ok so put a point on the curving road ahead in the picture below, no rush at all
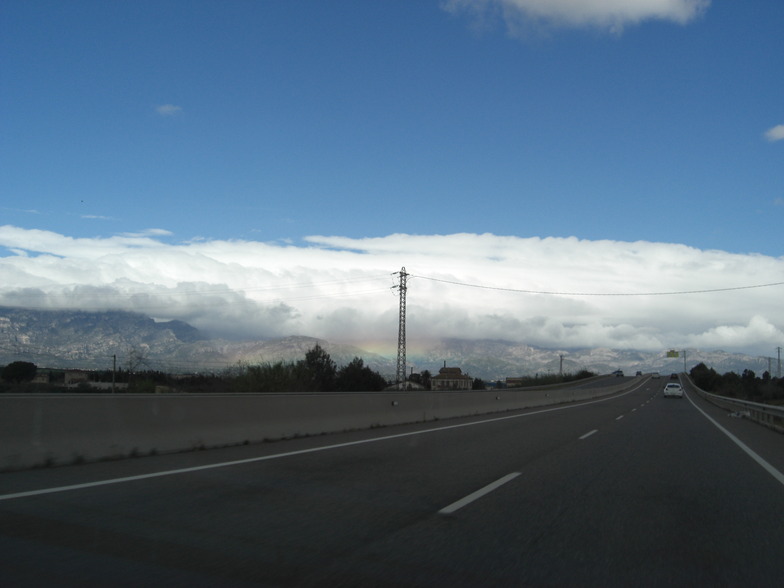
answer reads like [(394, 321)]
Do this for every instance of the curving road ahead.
[(630, 490)]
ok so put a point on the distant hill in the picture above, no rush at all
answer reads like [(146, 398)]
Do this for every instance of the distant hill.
[(498, 359), (85, 339), (89, 340)]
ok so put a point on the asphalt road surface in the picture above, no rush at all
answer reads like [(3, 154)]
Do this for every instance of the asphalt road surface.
[(634, 490)]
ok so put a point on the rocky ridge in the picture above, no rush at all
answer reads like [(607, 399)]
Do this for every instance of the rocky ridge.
[(93, 340)]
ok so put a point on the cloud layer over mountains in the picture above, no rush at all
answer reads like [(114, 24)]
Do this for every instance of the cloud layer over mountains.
[(550, 292)]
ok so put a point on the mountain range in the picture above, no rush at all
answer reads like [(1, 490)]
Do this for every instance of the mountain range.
[(94, 340)]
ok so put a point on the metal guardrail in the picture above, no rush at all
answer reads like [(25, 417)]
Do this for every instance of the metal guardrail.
[(768, 415)]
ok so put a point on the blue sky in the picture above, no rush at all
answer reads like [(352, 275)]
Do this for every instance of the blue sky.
[(365, 118), (279, 123)]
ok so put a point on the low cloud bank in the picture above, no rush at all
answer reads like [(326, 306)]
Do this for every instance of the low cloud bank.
[(550, 292)]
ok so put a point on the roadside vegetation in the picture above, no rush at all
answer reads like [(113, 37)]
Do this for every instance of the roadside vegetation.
[(18, 372), (317, 372), (547, 379), (746, 386)]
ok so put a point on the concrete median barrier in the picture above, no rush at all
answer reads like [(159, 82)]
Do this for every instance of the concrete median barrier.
[(40, 430)]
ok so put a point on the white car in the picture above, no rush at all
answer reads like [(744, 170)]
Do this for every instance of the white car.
[(673, 390)]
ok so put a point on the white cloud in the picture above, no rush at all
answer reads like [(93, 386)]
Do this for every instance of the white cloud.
[(25, 210), (607, 14), (611, 294), (149, 233), (168, 109), (775, 133), (758, 328)]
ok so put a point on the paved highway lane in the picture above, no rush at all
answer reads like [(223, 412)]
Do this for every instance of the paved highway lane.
[(634, 489)]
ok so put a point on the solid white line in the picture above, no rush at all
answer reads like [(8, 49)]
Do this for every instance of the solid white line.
[(756, 457), (224, 464), (589, 433), (478, 494)]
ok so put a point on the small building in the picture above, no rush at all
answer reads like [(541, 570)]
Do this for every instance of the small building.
[(108, 386), (408, 385), (41, 377), (451, 378), (76, 377)]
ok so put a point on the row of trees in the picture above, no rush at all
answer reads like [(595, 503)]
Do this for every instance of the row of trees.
[(317, 372), (746, 386), (548, 379), (18, 371)]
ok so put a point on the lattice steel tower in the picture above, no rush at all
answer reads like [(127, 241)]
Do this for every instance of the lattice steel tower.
[(400, 375)]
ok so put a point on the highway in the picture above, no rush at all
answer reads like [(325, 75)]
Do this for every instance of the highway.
[(630, 490)]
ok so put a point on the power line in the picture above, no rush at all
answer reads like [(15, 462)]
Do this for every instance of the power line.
[(556, 293)]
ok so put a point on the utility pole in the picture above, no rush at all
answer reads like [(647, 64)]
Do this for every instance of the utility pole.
[(400, 375), (114, 370), (560, 369), (778, 349)]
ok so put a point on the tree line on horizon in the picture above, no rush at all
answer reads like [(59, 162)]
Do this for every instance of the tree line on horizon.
[(317, 372), (746, 386)]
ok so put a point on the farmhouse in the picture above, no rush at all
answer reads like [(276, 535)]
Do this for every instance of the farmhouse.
[(451, 378)]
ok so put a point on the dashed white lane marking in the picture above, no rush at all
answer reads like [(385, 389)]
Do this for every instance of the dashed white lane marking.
[(619, 417), (589, 433), (478, 494), (224, 464)]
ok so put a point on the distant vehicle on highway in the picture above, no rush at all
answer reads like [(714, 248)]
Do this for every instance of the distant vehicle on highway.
[(673, 376), (639, 373), (618, 373), (673, 390), (655, 375)]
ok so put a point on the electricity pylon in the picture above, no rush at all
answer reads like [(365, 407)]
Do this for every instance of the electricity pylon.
[(400, 375)]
